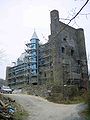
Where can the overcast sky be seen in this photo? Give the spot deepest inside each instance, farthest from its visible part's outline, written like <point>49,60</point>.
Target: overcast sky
<point>19,18</point>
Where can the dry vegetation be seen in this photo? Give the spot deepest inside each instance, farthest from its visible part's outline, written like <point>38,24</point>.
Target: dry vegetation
<point>20,113</point>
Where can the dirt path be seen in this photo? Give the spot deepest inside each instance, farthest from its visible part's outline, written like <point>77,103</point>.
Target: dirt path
<point>41,109</point>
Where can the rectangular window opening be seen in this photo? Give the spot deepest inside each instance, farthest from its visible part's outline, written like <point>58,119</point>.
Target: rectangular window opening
<point>63,50</point>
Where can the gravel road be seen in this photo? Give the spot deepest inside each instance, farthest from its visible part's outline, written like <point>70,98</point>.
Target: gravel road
<point>40,109</point>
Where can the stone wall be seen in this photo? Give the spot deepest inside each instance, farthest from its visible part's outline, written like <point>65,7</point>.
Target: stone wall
<point>67,46</point>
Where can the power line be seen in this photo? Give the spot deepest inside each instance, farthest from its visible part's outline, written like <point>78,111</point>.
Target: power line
<point>85,14</point>
<point>64,19</point>
<point>79,11</point>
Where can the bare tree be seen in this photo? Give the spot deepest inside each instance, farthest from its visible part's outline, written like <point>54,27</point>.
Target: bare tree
<point>1,54</point>
<point>73,18</point>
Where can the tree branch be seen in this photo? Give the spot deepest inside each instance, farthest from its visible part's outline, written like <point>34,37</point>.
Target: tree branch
<point>73,17</point>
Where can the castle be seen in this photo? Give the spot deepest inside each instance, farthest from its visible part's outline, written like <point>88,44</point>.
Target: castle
<point>60,61</point>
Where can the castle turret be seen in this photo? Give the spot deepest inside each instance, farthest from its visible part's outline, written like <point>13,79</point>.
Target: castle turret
<point>54,21</point>
<point>32,49</point>
<point>83,57</point>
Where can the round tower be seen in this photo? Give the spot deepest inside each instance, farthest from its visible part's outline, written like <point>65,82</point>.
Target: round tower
<point>54,14</point>
<point>32,49</point>
<point>54,21</point>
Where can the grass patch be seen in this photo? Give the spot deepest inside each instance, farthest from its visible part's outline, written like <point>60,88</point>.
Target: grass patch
<point>57,98</point>
<point>86,114</point>
<point>20,113</point>
<point>75,100</point>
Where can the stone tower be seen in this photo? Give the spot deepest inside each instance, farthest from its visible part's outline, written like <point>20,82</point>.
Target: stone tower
<point>68,53</point>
